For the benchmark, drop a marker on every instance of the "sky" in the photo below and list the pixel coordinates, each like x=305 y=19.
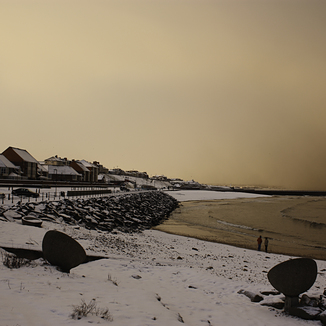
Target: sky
x=222 y=92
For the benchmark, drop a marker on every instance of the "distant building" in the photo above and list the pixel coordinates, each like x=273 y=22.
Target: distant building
x=82 y=170
x=101 y=168
x=56 y=160
x=137 y=174
x=193 y=185
x=8 y=169
x=117 y=171
x=176 y=180
x=93 y=170
x=111 y=179
x=159 y=177
x=89 y=171
x=29 y=166
x=63 y=173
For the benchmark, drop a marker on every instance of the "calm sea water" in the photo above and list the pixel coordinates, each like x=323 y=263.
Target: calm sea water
x=294 y=225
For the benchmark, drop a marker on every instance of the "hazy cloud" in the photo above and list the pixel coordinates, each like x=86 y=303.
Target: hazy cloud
x=227 y=92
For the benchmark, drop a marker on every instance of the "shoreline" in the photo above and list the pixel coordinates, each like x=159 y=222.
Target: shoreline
x=220 y=221
x=147 y=278
x=285 y=252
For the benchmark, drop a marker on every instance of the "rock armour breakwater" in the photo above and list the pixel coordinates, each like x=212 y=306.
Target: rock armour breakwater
x=127 y=213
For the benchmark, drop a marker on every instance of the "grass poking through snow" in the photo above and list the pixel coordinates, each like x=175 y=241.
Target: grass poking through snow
x=85 y=309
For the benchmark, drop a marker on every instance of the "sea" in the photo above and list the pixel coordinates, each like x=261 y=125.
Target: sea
x=294 y=225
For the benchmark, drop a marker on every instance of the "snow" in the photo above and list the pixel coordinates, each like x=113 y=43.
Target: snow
x=5 y=163
x=151 y=278
x=57 y=169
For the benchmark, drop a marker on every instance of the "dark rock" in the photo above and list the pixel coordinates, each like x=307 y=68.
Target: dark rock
x=306 y=301
x=308 y=313
x=294 y=276
x=275 y=303
x=34 y=214
x=63 y=251
x=254 y=297
x=127 y=213
x=322 y=302
x=10 y=215
x=31 y=221
x=322 y=317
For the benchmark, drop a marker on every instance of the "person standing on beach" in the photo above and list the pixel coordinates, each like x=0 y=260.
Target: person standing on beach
x=266 y=244
x=259 y=241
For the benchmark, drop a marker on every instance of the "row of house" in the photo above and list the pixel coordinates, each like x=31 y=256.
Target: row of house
x=16 y=163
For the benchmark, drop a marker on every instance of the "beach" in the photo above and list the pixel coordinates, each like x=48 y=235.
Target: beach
x=294 y=225
x=149 y=278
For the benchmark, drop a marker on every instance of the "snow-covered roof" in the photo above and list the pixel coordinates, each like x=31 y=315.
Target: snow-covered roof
x=82 y=166
x=5 y=163
x=109 y=178
x=55 y=158
x=40 y=167
x=13 y=175
x=24 y=155
x=66 y=170
x=87 y=164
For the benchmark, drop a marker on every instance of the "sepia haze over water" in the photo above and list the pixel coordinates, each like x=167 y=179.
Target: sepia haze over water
x=222 y=92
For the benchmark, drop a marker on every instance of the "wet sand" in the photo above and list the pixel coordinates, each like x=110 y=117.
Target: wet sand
x=294 y=225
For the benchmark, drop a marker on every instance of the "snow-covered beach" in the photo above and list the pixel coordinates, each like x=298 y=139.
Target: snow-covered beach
x=148 y=278
x=294 y=225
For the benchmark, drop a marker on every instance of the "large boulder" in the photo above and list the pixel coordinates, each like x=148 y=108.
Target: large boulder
x=254 y=297
x=10 y=215
x=273 y=301
x=63 y=251
x=294 y=276
x=307 y=313
x=322 y=317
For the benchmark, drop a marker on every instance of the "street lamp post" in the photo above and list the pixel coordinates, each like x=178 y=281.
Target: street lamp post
x=56 y=175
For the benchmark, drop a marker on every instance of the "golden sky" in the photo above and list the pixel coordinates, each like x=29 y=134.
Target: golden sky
x=223 y=92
